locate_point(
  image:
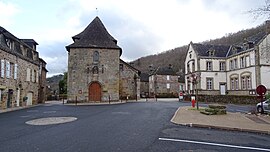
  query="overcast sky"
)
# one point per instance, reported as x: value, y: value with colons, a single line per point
x: 142, y: 27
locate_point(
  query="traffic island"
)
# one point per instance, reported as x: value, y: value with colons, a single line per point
x: 214, y: 109
x: 231, y: 121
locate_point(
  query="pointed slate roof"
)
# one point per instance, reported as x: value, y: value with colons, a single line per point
x: 94, y: 35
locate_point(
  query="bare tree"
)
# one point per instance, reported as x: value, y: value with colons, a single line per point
x: 263, y: 11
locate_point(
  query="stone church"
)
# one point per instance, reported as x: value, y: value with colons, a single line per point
x: 95, y: 71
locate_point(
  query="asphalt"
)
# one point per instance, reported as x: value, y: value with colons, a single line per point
x: 234, y: 121
x: 186, y: 116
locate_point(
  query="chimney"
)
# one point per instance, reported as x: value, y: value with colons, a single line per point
x: 267, y: 26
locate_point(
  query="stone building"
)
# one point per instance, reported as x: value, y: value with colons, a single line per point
x: 164, y: 82
x: 94, y: 67
x: 20, y: 71
x: 229, y: 70
x: 144, y: 84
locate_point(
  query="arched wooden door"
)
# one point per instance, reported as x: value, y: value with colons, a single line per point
x: 94, y: 92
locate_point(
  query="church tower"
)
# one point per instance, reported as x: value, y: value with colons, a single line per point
x: 93, y: 65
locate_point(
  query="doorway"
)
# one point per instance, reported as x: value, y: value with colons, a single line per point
x: 94, y: 92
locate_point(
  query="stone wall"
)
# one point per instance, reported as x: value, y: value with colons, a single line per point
x: 144, y: 88
x: 81, y: 73
x: 227, y: 99
x: 129, y: 82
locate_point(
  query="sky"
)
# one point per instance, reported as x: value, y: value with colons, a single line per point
x: 142, y: 27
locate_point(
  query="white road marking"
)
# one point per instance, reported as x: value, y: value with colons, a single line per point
x: 214, y: 144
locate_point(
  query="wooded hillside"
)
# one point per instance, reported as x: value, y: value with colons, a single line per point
x: 176, y: 56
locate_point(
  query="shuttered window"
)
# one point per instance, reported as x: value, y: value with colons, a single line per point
x: 2, y: 68
x: 28, y: 72
x: 8, y: 69
x: 15, y: 70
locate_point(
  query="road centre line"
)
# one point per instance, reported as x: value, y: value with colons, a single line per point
x: 213, y: 144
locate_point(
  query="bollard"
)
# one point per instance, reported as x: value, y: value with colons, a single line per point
x: 63, y: 100
x: 76, y: 101
x: 109, y: 99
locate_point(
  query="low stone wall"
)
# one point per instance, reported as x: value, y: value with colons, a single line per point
x: 225, y: 99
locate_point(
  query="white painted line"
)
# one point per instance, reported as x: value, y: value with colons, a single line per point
x: 213, y: 144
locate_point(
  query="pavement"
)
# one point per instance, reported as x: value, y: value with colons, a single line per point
x: 231, y: 121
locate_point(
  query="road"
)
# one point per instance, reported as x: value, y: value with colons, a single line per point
x: 143, y: 126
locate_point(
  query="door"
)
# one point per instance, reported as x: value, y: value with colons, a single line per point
x: 222, y: 89
x: 10, y: 92
x: 29, y: 99
x: 94, y: 92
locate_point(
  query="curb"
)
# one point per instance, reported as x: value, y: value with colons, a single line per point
x: 224, y: 128
x: 218, y: 127
x: 18, y: 108
x: 94, y: 104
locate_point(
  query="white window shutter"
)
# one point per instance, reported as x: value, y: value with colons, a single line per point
x: 2, y: 68
x: 15, y: 70
x: 7, y: 69
x: 37, y: 75
x: 33, y: 76
x: 28, y: 71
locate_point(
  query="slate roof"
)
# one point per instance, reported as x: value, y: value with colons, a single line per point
x: 254, y: 39
x: 94, y: 35
x: 165, y: 71
x: 4, y: 34
x: 203, y: 49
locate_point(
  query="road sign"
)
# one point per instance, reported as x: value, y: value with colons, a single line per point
x: 261, y: 90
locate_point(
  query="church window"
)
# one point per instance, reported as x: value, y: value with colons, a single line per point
x: 96, y: 56
x: 95, y: 70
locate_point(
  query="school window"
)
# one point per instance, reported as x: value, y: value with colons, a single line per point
x: 222, y: 66
x: 246, y: 82
x: 209, y: 83
x: 235, y: 64
x: 236, y: 83
x: 232, y: 84
x: 188, y: 68
x: 242, y: 62
x: 209, y: 65
x: 247, y: 61
x: 231, y: 65
x: 243, y: 83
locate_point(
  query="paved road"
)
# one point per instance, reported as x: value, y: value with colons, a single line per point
x: 126, y: 127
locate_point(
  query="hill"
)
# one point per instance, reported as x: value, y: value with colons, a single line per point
x: 176, y: 56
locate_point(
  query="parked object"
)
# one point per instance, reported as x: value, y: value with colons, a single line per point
x: 264, y: 108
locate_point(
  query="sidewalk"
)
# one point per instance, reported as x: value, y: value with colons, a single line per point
x: 16, y: 108
x: 230, y: 121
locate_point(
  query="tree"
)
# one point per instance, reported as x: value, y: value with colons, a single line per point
x: 63, y: 84
x: 263, y: 11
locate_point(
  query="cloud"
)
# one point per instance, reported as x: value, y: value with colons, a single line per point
x: 8, y: 11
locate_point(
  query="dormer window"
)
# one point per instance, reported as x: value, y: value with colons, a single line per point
x: 9, y: 43
x: 211, y: 52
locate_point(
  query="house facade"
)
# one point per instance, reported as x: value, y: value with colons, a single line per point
x: 144, y: 89
x: 94, y: 67
x: 164, y: 82
x: 20, y: 76
x: 229, y: 70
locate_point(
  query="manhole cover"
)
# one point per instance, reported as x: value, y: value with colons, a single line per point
x: 50, y: 121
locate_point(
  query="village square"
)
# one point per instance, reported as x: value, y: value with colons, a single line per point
x: 219, y: 101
